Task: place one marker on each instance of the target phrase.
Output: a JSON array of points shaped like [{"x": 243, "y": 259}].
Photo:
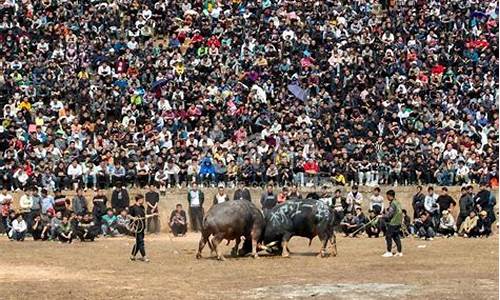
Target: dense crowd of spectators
[
  {"x": 125, "y": 92},
  {"x": 56, "y": 217}
]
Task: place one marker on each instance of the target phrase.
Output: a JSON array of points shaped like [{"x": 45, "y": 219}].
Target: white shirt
[
  {"x": 19, "y": 226},
  {"x": 75, "y": 171},
  {"x": 195, "y": 198}
]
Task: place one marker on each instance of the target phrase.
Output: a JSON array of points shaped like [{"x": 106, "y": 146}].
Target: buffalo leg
[
  {"x": 322, "y": 251},
  {"x": 284, "y": 245},
  {"x": 215, "y": 243},
  {"x": 201, "y": 245},
  {"x": 333, "y": 245},
  {"x": 234, "y": 251}
]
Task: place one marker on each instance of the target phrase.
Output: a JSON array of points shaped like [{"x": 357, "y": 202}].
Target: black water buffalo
[
  {"x": 232, "y": 220},
  {"x": 306, "y": 218}
]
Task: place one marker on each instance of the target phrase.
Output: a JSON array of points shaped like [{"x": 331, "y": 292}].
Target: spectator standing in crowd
[
  {"x": 5, "y": 207},
  {"x": 268, "y": 199},
  {"x": 294, "y": 193},
  {"x": 393, "y": 219},
  {"x": 242, "y": 193},
  {"x": 418, "y": 202},
  {"x": 79, "y": 203},
  {"x": 445, "y": 201},
  {"x": 119, "y": 199},
  {"x": 431, "y": 205},
  {"x": 47, "y": 202},
  {"x": 25, "y": 204},
  {"x": 466, "y": 205},
  {"x": 485, "y": 200},
  {"x": 354, "y": 199},
  {"x": 178, "y": 221},
  {"x": 195, "y": 199},
  {"x": 376, "y": 201},
  {"x": 99, "y": 206},
  {"x": 152, "y": 210},
  {"x": 59, "y": 201},
  {"x": 220, "y": 196}
]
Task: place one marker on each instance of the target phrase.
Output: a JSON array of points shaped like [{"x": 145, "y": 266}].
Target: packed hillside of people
[{"x": 99, "y": 94}]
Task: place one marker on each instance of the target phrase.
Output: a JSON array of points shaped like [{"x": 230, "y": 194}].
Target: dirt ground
[{"x": 439, "y": 269}]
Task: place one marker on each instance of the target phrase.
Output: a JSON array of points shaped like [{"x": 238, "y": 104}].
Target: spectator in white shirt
[
  {"x": 75, "y": 173},
  {"x": 462, "y": 173},
  {"x": 172, "y": 172},
  {"x": 19, "y": 228},
  {"x": 142, "y": 173}
]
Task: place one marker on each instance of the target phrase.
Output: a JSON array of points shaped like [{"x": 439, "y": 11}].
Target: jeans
[{"x": 89, "y": 181}]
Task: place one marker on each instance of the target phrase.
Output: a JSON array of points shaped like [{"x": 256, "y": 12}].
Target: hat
[{"x": 483, "y": 213}]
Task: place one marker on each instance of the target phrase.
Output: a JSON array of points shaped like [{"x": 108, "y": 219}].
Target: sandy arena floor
[{"x": 441, "y": 269}]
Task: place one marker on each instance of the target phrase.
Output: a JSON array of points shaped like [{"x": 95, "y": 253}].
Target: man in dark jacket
[
  {"x": 195, "y": 199},
  {"x": 242, "y": 192},
  {"x": 418, "y": 202},
  {"x": 485, "y": 200},
  {"x": 268, "y": 200},
  {"x": 445, "y": 201},
  {"x": 119, "y": 199},
  {"x": 79, "y": 203},
  {"x": 466, "y": 204},
  {"x": 152, "y": 199}
]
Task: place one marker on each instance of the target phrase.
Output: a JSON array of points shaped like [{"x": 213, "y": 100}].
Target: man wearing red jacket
[{"x": 311, "y": 168}]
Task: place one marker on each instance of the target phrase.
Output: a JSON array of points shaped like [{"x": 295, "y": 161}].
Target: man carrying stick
[{"x": 393, "y": 219}]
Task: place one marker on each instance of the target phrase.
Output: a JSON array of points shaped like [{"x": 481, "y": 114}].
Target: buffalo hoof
[
  {"x": 221, "y": 258},
  {"x": 255, "y": 255},
  {"x": 198, "y": 255},
  {"x": 234, "y": 253},
  {"x": 285, "y": 255}
]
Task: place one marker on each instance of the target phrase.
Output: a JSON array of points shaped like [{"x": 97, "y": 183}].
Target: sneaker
[
  {"x": 387, "y": 254},
  {"x": 144, "y": 259},
  {"x": 399, "y": 254},
  {"x": 132, "y": 258}
]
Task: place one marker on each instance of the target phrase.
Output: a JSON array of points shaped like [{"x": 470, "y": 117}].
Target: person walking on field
[{"x": 393, "y": 219}]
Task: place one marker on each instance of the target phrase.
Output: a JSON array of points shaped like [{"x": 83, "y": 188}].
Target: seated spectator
[
  {"x": 373, "y": 227},
  {"x": 86, "y": 229},
  {"x": 425, "y": 227},
  {"x": 282, "y": 196},
  {"x": 447, "y": 226},
  {"x": 349, "y": 224},
  {"x": 65, "y": 231},
  {"x": 178, "y": 221},
  {"x": 39, "y": 229},
  {"x": 123, "y": 222},
  {"x": 18, "y": 229},
  {"x": 483, "y": 226},
  {"x": 55, "y": 223},
  {"x": 109, "y": 223},
  {"x": 468, "y": 225}
]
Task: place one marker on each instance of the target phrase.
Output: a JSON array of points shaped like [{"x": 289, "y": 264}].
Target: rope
[{"x": 364, "y": 226}]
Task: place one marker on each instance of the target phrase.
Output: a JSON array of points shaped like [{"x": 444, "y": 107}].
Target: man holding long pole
[{"x": 393, "y": 219}]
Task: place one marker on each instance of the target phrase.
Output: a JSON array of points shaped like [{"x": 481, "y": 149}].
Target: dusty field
[{"x": 441, "y": 269}]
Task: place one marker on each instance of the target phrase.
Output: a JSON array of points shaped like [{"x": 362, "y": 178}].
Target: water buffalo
[
  {"x": 232, "y": 220},
  {"x": 306, "y": 218}
]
